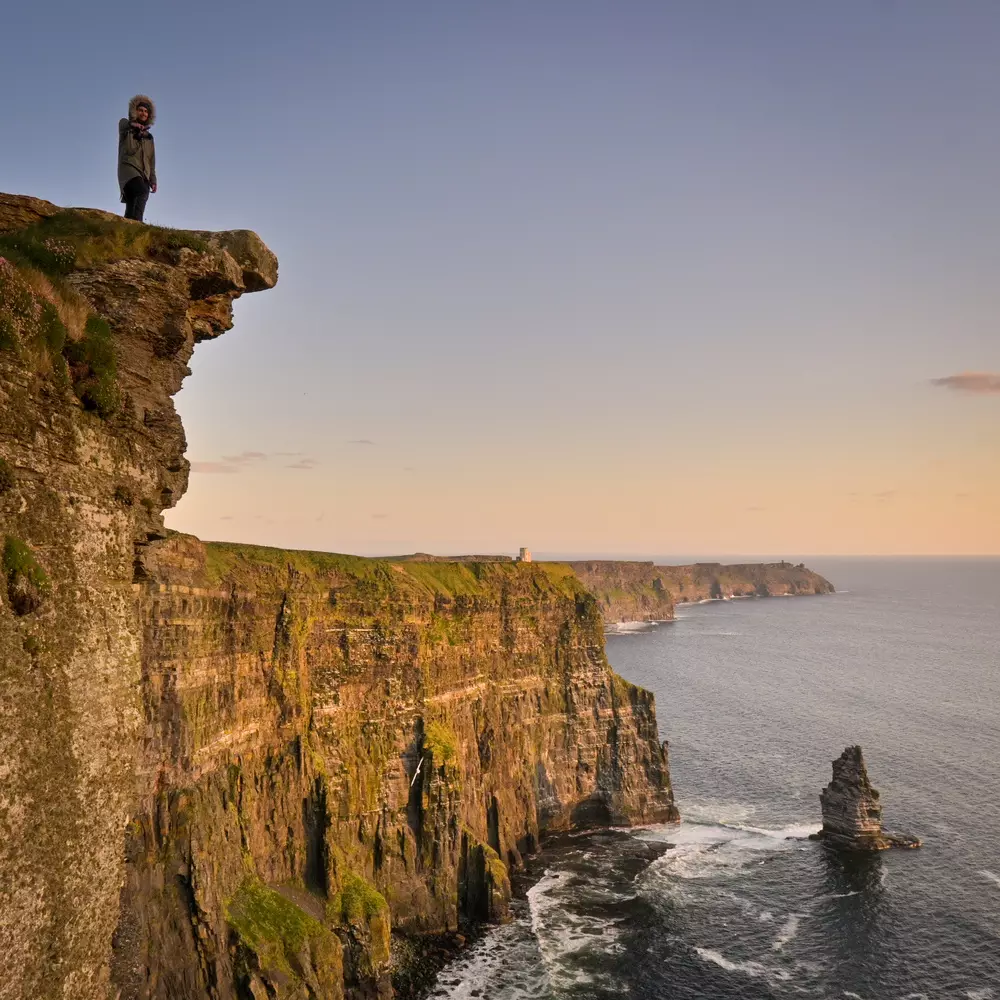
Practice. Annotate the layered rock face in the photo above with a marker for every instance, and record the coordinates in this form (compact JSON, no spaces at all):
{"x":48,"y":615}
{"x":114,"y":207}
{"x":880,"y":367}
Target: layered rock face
{"x":643,"y":591}
{"x":627,"y":591}
{"x":714,"y":581}
{"x":852,"y":813}
{"x":228,"y":771}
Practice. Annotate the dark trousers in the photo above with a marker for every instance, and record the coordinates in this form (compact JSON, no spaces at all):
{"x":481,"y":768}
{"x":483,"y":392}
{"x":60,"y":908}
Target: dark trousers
{"x":136,"y":193}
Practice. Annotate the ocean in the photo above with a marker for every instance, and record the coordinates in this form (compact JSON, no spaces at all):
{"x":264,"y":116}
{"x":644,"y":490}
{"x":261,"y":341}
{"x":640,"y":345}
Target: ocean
{"x":757,"y":697}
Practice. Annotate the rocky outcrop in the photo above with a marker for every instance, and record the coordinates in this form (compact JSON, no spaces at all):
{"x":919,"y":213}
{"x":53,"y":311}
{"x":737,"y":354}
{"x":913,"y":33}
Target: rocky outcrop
{"x":627,"y":591}
{"x":229,"y":771}
{"x":852,"y":813}
{"x":716,"y":581}
{"x":644,"y":592}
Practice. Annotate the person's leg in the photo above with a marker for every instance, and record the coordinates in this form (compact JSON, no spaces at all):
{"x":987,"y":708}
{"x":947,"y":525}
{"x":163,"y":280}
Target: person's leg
{"x":136,"y":194}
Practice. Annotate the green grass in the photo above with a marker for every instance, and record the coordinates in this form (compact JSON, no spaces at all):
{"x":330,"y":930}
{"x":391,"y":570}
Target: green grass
{"x":562,"y":579}
{"x":73,"y":239}
{"x":94,"y":368}
{"x":228,"y":560}
{"x":442,"y":744}
{"x":274,"y":927}
{"x":357,"y":900}
{"x":32,"y":329}
{"x":447,"y":579}
{"x":19,"y":561}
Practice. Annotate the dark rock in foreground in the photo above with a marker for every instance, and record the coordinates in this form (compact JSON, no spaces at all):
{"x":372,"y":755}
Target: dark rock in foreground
{"x":852,"y":813}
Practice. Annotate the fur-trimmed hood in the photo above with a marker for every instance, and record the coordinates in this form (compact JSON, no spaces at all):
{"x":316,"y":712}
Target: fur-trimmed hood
{"x":134,"y":104}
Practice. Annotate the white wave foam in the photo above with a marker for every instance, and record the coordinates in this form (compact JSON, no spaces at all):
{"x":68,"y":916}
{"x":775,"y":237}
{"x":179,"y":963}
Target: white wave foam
{"x":561,"y":934}
{"x":503,"y":965}
{"x":984,"y":994}
{"x":629,"y":628}
{"x":755,"y":970}
{"x":992,"y":876}
{"x":703,"y":850}
{"x":787,"y":932}
{"x":844,"y":895}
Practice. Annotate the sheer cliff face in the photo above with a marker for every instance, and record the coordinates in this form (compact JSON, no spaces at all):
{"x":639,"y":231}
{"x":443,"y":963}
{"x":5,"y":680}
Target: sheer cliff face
{"x":226,"y":771}
{"x":642,"y":591}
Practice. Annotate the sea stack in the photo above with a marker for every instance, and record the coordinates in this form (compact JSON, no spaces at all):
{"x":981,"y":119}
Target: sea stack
{"x":852,"y":813}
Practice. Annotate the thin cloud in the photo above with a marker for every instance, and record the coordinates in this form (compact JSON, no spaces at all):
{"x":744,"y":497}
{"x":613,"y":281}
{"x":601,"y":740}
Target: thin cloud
{"x":982,"y":383}
{"x":303,"y":463}
{"x":213,"y":467}
{"x":244,"y":456}
{"x":363,"y":441}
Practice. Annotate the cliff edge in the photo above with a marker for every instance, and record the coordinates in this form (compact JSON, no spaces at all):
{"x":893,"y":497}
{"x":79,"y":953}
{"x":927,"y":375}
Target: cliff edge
{"x":645,"y":592}
{"x":231,"y":771}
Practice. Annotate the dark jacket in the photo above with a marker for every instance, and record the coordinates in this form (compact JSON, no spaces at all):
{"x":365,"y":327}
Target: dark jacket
{"x":136,"y":151}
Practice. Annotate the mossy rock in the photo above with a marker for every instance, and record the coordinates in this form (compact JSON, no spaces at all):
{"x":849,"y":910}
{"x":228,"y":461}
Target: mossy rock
{"x":361,"y":908}
{"x":94,"y":368}
{"x":27,"y":581}
{"x":441,"y":743}
{"x":288,"y":943}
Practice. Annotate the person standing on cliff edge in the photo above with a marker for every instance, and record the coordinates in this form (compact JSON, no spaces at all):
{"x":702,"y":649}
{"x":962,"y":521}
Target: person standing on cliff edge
{"x":137,"y":156}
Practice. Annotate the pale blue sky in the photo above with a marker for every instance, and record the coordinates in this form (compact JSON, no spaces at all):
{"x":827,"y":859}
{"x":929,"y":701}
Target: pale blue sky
{"x":607,"y":277}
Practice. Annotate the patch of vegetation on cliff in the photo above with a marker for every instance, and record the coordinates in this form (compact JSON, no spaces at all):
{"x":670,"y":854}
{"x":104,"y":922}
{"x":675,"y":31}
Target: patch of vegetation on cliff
{"x":495,"y":867}
{"x":50,"y":329}
{"x":357,"y":900}
{"x":441,"y":743}
{"x":362,"y":908}
{"x":561,"y":578}
{"x":27,"y":581}
{"x":94,"y":368}
{"x":447,"y":579}
{"x":36,"y":316}
{"x":75,"y":238}
{"x":271,"y":925}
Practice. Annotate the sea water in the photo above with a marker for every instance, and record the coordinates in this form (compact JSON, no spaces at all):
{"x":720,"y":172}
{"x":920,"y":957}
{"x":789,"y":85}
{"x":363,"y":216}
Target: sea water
{"x":757,"y":697}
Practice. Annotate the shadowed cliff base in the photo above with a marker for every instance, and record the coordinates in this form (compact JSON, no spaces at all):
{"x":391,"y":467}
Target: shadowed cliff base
{"x":234,"y":771}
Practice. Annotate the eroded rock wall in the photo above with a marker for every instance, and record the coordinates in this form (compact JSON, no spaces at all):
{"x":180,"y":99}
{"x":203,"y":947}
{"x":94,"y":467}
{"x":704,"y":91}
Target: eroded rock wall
{"x":228,"y":771}
{"x":317,"y":719}
{"x":79,"y":492}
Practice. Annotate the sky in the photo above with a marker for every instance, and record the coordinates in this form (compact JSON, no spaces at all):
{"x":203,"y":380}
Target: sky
{"x":617,"y":277}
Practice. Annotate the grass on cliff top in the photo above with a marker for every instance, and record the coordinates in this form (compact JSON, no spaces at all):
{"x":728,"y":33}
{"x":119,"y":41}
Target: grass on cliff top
{"x":237,"y":563}
{"x":78,"y":238}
